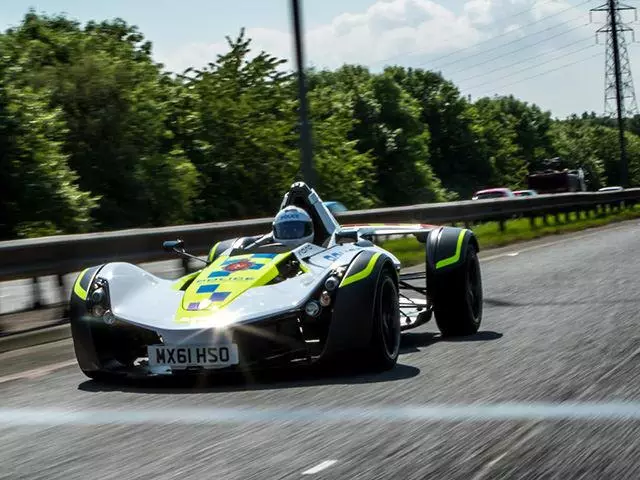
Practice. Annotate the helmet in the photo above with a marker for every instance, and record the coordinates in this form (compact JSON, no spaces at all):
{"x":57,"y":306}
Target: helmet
{"x":292,"y":227}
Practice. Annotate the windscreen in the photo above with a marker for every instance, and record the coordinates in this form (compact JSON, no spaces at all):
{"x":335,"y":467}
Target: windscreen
{"x":491,"y":195}
{"x":293,"y":229}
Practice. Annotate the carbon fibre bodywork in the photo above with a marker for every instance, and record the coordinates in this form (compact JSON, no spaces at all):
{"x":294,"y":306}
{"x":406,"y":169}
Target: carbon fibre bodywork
{"x":270,"y":304}
{"x":267,"y":322}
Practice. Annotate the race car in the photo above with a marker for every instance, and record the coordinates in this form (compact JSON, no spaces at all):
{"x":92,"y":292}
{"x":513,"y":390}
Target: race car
{"x":260,"y":303}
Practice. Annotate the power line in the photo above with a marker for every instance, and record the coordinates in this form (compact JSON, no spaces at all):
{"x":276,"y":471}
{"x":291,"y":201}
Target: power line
{"x":491,"y":38}
{"x":446,"y":55}
{"x":511,"y":31}
{"x":511,"y":42}
{"x":502,"y":55}
{"x":544,"y":73}
{"x":513,"y":64}
{"x":528,"y":68}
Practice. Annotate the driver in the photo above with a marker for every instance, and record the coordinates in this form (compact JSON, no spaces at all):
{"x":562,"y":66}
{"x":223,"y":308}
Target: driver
{"x":292,"y":227}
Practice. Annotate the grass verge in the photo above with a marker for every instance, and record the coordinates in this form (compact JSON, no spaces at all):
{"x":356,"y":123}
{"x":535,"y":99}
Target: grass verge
{"x":411,"y":252}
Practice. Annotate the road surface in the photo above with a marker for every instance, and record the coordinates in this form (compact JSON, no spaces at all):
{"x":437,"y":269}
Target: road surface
{"x":548,"y":389}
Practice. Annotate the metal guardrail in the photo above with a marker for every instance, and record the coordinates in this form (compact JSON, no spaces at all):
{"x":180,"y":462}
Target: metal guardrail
{"x":60,"y":255}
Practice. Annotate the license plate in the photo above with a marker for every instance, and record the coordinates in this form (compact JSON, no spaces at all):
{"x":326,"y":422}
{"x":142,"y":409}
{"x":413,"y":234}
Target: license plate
{"x":193,"y":356}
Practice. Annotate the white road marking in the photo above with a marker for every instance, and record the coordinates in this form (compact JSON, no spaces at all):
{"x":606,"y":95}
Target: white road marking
{"x":569,"y":237}
{"x":37,"y":372}
{"x":605,"y":411}
{"x":318,"y":468}
{"x":514,"y":254}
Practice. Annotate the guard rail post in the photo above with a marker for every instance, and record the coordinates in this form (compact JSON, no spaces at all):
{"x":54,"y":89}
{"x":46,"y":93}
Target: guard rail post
{"x":35,"y":289}
{"x":62,"y":291}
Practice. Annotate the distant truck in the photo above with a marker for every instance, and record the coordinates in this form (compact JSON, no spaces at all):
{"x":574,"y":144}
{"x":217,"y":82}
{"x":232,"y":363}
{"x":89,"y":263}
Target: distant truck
{"x":557,"y":181}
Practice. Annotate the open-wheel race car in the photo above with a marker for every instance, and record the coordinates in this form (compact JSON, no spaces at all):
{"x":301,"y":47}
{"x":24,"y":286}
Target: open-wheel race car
{"x":260,"y":301}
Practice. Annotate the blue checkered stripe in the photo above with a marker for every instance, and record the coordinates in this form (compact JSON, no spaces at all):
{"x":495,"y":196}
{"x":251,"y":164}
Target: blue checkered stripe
{"x":216,"y":295}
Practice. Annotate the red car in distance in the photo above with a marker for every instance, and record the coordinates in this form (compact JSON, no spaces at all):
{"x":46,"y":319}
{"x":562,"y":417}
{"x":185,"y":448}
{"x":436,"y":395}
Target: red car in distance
{"x":525,"y":193}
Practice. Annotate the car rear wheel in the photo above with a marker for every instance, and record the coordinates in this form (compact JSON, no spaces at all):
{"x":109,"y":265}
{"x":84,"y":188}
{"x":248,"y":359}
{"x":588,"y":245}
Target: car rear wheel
{"x":457,"y":297}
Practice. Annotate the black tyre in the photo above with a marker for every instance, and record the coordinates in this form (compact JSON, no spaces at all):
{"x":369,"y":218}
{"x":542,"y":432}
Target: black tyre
{"x":457,"y":297}
{"x":385,"y":338}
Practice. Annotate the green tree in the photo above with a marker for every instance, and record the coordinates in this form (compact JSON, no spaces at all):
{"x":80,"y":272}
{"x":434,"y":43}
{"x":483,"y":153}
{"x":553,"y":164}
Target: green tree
{"x":38,"y":191}
{"x":450,"y":122}
{"x":531,"y":127}
{"x":497,"y":144}
{"x":114,"y":101}
{"x":344,"y":174}
{"x":389,"y":128}
{"x":235,"y":124}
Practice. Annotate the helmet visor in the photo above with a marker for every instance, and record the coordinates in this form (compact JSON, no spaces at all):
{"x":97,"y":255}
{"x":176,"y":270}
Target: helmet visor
{"x":292,"y":230}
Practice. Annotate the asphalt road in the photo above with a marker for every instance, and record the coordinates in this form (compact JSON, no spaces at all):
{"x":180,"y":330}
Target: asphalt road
{"x":548,"y":389}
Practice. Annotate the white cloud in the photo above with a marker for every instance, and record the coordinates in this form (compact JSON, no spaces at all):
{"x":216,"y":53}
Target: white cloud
{"x":480,"y":11}
{"x":544,"y":8}
{"x":386,"y":29}
{"x":435,"y":34}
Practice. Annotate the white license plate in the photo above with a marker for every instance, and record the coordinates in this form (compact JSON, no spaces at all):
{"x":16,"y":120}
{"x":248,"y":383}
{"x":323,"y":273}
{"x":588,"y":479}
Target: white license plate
{"x":193,"y":356}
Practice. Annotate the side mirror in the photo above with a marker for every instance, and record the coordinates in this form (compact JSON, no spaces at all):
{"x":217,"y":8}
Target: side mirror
{"x":173,"y":245}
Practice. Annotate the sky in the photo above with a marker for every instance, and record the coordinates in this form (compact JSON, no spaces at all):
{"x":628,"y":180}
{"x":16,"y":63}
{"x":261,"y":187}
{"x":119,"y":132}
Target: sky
{"x":541,"y":51}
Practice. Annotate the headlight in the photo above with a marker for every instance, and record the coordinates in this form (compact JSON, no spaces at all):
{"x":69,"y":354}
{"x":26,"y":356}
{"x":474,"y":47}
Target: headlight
{"x":109,"y":318}
{"x":312,"y":308}
{"x":98,"y":300}
{"x":331,"y":283}
{"x":325,"y":299}
{"x":98,"y":295}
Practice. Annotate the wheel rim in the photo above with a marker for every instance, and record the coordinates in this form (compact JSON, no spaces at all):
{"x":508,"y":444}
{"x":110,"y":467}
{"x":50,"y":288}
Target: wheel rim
{"x":474,"y":288}
{"x":389,"y":316}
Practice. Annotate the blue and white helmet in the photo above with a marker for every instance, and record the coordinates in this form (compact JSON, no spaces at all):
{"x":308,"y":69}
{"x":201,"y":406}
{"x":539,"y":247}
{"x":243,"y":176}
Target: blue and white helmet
{"x":292,"y":227}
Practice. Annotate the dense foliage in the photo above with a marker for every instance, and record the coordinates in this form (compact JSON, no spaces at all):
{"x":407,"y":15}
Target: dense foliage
{"x":95,"y":135}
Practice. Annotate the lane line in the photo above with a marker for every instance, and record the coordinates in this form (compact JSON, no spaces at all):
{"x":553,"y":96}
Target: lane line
{"x":522,"y":247}
{"x":607,"y":411}
{"x":568,"y":238}
{"x":318,"y":468}
{"x":37,"y":372}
